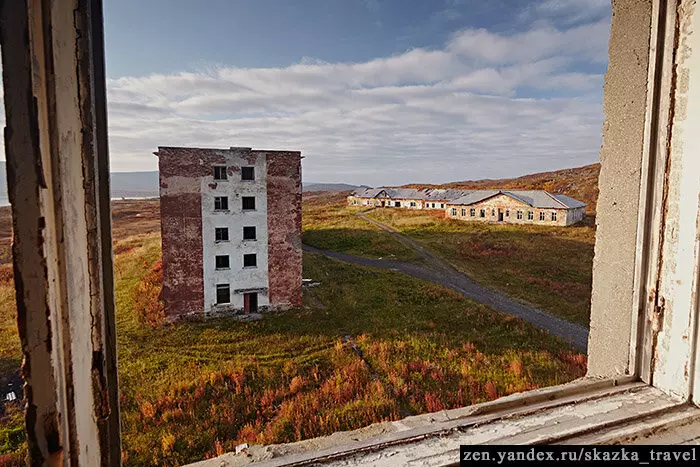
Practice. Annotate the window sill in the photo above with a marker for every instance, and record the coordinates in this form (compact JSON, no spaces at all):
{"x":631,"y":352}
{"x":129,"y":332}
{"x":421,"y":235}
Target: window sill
{"x":222,"y":269}
{"x":223,"y":211}
{"x":588,"y":411}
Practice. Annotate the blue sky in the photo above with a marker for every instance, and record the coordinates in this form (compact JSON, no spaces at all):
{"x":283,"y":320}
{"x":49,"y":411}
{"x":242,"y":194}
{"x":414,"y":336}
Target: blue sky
{"x":371,"y":91}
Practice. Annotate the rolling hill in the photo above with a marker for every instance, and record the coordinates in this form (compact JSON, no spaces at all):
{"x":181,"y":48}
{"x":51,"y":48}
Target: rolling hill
{"x":580,"y":183}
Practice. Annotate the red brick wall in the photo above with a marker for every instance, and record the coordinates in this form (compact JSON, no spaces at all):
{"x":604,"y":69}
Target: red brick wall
{"x":284,"y":228}
{"x":181,"y":229}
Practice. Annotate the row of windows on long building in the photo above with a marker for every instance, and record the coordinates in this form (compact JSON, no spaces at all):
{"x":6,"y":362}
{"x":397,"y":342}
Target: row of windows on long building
{"x":518,"y":214}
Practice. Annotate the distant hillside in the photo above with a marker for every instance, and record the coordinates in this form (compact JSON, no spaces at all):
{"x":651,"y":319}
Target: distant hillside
{"x":328,"y":187}
{"x":580,"y":183}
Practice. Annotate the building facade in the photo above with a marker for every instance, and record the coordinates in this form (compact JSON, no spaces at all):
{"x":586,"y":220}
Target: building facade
{"x":231,"y":230}
{"x":505,"y":206}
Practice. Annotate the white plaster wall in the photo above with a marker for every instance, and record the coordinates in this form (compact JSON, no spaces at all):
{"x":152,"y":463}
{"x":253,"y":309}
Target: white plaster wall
{"x":406,"y":203}
{"x":235,"y":219}
{"x":505,"y":203}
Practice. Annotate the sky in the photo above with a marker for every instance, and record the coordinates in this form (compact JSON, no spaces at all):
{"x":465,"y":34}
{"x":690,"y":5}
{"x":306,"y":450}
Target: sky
{"x":371,"y":91}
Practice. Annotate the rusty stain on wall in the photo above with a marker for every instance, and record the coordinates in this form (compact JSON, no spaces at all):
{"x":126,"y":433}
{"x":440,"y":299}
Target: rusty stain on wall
{"x":284,"y":228}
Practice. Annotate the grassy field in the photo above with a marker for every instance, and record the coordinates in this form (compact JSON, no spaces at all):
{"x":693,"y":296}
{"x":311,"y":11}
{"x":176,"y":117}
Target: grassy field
{"x":368,"y":346}
{"x":549,"y":267}
{"x":198,"y":389}
{"x":329,"y":225}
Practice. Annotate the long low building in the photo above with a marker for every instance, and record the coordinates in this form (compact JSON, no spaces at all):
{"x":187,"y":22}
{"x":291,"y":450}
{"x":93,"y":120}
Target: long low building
{"x":509,"y":206}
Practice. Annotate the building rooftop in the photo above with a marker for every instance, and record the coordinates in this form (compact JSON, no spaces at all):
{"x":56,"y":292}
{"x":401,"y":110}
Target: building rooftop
{"x":536,"y":198}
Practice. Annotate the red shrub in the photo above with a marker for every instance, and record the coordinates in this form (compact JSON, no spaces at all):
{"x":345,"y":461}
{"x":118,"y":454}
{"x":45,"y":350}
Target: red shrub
{"x":148,"y":297}
{"x":433,"y":402}
{"x":491,"y":390}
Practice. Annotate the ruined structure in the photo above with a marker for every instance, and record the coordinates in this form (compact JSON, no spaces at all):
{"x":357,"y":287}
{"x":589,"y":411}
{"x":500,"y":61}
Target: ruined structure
{"x":511,"y":206}
{"x":231,"y":229}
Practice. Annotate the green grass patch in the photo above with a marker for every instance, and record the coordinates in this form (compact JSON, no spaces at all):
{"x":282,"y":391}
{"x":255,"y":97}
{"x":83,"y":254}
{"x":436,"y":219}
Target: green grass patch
{"x":12,"y":437}
{"x":550,"y":267}
{"x":10,"y":354}
{"x":330,"y":225}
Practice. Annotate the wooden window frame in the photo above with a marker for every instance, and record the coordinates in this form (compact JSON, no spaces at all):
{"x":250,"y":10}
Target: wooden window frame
{"x":57,"y":159}
{"x":244,"y":171}
{"x":243,"y":199}
{"x":221,"y":203}
{"x":228,"y":289}
{"x":255,"y":233}
{"x":255,"y":260}
{"x":218,"y":169}
{"x":222,"y":229}
{"x":221,"y":268}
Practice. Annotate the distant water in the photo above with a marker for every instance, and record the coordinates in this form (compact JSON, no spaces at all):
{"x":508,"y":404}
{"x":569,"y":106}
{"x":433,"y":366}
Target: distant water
{"x":5,"y":201}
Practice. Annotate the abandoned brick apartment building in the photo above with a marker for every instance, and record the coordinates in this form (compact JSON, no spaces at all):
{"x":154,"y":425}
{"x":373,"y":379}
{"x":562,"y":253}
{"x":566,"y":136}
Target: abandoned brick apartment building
{"x":510,"y":206}
{"x":231,"y":229}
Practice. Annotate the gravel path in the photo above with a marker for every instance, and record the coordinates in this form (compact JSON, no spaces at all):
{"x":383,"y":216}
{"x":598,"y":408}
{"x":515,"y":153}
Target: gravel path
{"x":437,"y":270}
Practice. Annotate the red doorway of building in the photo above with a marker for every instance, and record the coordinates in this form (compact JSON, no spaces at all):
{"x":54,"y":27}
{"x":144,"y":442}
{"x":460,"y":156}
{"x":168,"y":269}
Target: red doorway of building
{"x":250,"y":303}
{"x":500,"y":216}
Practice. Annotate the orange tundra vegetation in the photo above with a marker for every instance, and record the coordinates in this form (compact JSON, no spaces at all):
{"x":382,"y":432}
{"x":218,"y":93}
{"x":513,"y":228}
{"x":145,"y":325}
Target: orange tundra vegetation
{"x":367,"y":346}
{"x":148,"y":296}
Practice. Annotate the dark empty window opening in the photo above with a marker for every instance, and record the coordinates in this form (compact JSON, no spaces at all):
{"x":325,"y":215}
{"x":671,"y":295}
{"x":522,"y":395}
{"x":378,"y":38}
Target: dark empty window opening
{"x":249,"y":233}
{"x":250,"y":302}
{"x":249,"y":203}
{"x":464,"y":212}
{"x":493,"y":212}
{"x":454,"y":211}
{"x":554,"y":215}
{"x":397,"y":204}
{"x":250,"y":260}
{"x":221,"y":203}
{"x":221,"y":234}
{"x":507,"y":212}
{"x":223,"y":294}
{"x":472,"y":212}
{"x":220,"y":172}
{"x":530,"y":215}
{"x":247,"y":173}
{"x":222,"y":262}
{"x":482,"y":213}
{"x":542,"y":214}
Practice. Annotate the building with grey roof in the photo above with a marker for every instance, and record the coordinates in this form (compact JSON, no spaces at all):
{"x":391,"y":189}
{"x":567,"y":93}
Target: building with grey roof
{"x":508,"y":206}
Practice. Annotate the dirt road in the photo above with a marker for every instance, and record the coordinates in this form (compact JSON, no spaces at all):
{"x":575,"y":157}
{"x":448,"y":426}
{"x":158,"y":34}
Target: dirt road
{"x":435,"y":269}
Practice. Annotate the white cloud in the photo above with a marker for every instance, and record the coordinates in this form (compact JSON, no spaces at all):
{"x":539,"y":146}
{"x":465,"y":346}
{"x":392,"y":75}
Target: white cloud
{"x":567,"y":11}
{"x":586,"y":42}
{"x":482,"y":106}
